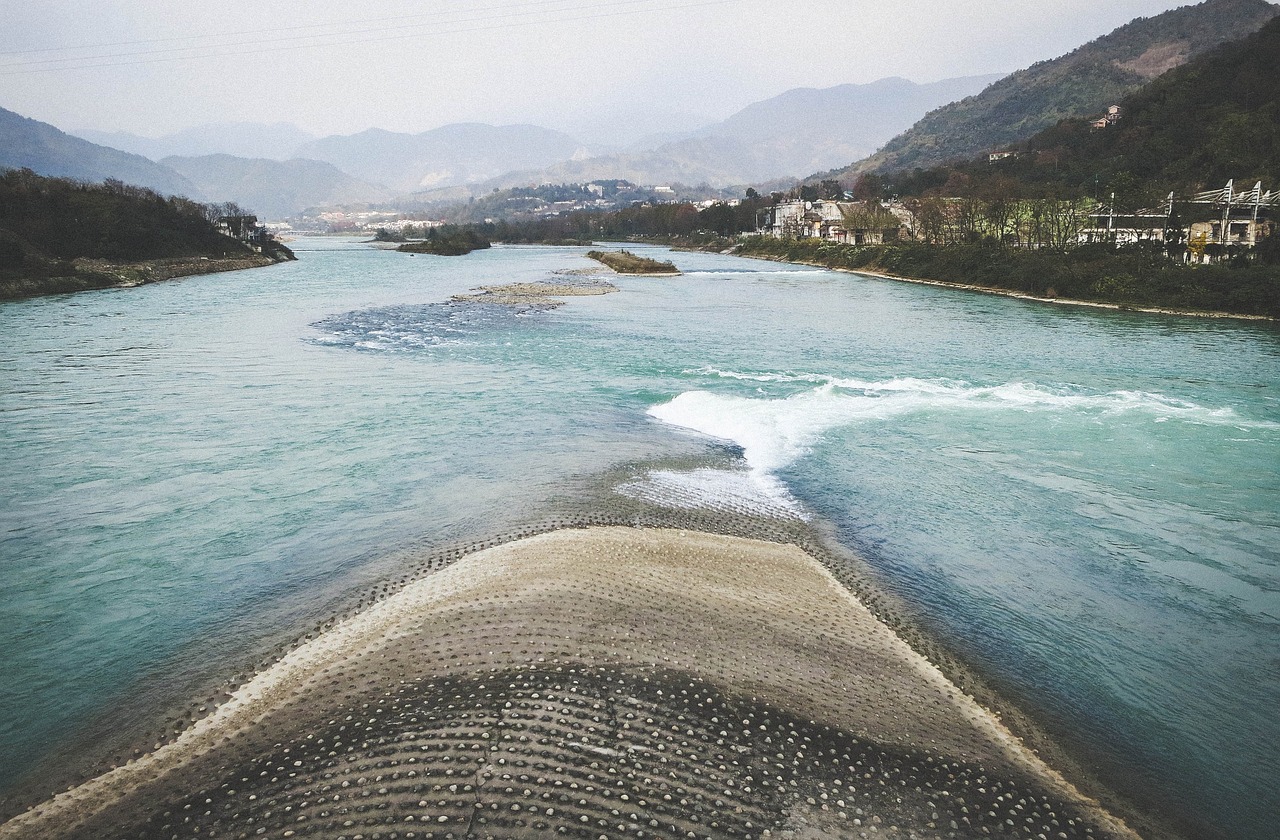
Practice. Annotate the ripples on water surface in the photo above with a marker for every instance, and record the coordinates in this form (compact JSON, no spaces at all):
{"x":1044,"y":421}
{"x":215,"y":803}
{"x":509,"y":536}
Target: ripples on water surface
{"x":1084,"y":502}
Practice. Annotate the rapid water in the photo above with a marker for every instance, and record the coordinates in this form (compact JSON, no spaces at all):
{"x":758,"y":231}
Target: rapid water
{"x":1083,"y":503}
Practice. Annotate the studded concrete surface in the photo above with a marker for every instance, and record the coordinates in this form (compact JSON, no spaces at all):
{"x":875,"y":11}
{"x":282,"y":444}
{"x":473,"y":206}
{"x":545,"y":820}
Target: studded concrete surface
{"x":600,"y":683}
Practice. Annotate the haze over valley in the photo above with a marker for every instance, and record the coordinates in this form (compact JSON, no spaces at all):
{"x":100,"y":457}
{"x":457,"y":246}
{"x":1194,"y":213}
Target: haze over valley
{"x":831,"y":122}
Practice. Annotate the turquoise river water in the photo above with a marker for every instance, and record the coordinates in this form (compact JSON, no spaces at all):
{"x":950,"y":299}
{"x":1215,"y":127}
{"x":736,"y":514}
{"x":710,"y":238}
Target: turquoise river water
{"x":1084,"y":503}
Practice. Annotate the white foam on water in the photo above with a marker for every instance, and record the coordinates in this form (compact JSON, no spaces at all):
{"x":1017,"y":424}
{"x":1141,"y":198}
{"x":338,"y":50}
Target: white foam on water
{"x":755,"y":494}
{"x":774,"y":432}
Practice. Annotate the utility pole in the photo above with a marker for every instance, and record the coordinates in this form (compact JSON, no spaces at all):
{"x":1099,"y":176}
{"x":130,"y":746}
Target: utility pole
{"x":1257,"y":203}
{"x":1229,"y":195}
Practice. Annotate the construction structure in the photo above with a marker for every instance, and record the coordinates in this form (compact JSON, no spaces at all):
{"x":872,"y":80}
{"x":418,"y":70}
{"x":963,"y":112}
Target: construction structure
{"x":1243,"y":219}
{"x":1212,"y":224}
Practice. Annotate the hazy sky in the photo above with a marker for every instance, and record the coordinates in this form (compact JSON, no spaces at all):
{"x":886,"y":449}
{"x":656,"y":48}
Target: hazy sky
{"x":157,"y":66}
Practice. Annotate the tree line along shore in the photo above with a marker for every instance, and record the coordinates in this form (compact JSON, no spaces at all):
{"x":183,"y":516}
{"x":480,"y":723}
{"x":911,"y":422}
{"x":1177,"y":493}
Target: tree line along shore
{"x":60,"y":235}
{"x":125,"y":236}
{"x":1142,"y":275}
{"x":1134,"y":278}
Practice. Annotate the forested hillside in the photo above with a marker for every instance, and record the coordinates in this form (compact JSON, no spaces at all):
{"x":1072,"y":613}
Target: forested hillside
{"x":31,"y":144}
{"x":61,"y":235}
{"x":1078,"y":84}
{"x":1213,"y":119}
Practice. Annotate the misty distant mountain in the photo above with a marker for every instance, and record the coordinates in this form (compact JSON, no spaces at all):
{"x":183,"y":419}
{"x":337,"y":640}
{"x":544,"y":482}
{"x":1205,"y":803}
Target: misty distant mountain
{"x":634,"y":127}
{"x":807,"y":129}
{"x":654,"y":167}
{"x":48,"y":151}
{"x":275,"y":189}
{"x":1081,"y":83}
{"x":789,"y":135}
{"x":277,"y":141}
{"x":453,"y":154}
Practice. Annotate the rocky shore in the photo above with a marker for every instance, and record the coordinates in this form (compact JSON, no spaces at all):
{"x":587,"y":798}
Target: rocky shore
{"x":543,"y":295}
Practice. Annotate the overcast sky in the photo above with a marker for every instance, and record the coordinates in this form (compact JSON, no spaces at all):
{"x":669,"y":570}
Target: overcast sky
{"x":157,"y":66}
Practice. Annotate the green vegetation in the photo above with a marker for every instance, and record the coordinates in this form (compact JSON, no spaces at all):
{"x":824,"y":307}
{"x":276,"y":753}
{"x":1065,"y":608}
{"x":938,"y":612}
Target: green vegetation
{"x":625,"y":262}
{"x":447,"y":241}
{"x":682,"y":223}
{"x":1213,"y":119}
{"x":1136,"y":277}
{"x":60,"y":235}
{"x":1014,"y":225}
{"x":524,"y":205}
{"x":1079,"y":84}
{"x":1197,"y":126}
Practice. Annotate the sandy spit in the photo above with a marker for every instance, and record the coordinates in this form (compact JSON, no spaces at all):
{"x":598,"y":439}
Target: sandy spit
{"x":759,"y":621}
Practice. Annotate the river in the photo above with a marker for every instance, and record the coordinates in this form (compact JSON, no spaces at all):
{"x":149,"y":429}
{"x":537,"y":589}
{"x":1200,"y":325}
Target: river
{"x":1084,"y":504}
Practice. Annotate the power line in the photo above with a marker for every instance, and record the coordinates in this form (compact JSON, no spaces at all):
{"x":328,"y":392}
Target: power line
{"x":276,"y":41}
{"x":26,"y":68}
{"x":217,"y":35}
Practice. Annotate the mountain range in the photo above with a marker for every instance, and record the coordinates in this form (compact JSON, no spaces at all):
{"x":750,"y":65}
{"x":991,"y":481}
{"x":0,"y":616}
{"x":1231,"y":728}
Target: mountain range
{"x":891,"y":124}
{"x":275,"y":189}
{"x":30,"y":144}
{"x":787,"y":135}
{"x":275,"y":141}
{"x":453,"y":154}
{"x":278,"y":170}
{"x":795,"y":132}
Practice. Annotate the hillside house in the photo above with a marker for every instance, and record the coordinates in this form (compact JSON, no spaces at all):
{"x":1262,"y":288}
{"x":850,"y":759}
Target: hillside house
{"x":1111,"y":117}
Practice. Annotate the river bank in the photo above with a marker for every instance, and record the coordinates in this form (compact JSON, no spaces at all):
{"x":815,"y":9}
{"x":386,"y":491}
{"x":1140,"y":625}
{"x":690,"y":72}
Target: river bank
{"x":91,"y":274}
{"x":1097,"y":276}
{"x":992,"y":290}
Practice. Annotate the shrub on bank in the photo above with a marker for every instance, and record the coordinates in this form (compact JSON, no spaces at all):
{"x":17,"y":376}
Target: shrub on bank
{"x":625,"y":262}
{"x":448,"y":241}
